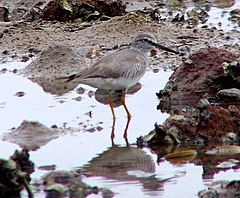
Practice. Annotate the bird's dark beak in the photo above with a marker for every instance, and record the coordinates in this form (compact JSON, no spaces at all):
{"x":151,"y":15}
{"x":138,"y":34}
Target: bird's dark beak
{"x":166,"y":48}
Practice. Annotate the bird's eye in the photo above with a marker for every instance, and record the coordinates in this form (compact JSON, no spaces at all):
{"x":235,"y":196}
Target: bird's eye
{"x":145,"y":40}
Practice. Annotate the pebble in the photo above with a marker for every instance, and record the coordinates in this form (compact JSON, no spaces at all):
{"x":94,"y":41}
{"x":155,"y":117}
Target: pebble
{"x":80,"y":90}
{"x":229,"y":94}
{"x":5,"y":52}
{"x":25,"y":58}
{"x":20,"y":94}
{"x":6,"y":31}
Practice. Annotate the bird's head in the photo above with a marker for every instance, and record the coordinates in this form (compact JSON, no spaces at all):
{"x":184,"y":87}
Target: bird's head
{"x":145,"y":42}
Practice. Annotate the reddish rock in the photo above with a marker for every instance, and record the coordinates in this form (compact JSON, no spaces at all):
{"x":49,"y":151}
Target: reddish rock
{"x":214,"y":124}
{"x":110,"y":7}
{"x":219,"y":125}
{"x":105,"y":7}
{"x":181,"y":127}
{"x":58,"y":10}
{"x":54,"y":11}
{"x":204,"y":72}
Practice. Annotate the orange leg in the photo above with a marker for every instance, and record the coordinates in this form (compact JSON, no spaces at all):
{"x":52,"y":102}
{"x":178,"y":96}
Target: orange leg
{"x":125,"y":136}
{"x":125,"y":106}
{"x":128,"y":115}
{"x":110,"y":102}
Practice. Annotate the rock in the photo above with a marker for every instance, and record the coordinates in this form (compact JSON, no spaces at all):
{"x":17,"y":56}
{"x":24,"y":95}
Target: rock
{"x":108,"y":7}
{"x":224,"y":150}
{"x":5,"y":52}
{"x":208,"y":193}
{"x":60,"y":183}
{"x":223,"y":4}
{"x":18,"y":13}
{"x":106,"y":193}
{"x":221,"y":189}
{"x":63,"y":10}
{"x":191,"y":90}
{"x":25,"y":58}
{"x":15,"y":174}
{"x":55,"y":10}
{"x":235,"y":16}
{"x":203,"y":104}
{"x":22,"y":158}
{"x":196,"y":15}
{"x":60,"y":177}
{"x":31,"y":135}
{"x":210,"y":71}
{"x":56,"y":190}
{"x":211,"y":124}
{"x":235,"y":12}
{"x":217,"y":124}
{"x":20,"y":94}
{"x":232,"y":94}
{"x":53,"y":63}
{"x":4,"y":14}
{"x":6,"y":31}
{"x":231,"y":163}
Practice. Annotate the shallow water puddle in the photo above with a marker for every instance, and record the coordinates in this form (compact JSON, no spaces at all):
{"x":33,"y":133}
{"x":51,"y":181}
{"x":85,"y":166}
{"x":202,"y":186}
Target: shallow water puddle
{"x":86,"y":148}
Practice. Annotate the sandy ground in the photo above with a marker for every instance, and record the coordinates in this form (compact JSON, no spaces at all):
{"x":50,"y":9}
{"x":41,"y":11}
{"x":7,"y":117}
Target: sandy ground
{"x":19,"y":38}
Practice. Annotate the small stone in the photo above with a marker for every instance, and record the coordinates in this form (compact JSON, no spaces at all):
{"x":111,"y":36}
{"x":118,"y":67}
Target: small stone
{"x":91,"y":94}
{"x":235,"y":12}
{"x":4,"y":12}
{"x":106,"y":193}
{"x":20,"y":94}
{"x":91,"y":130}
{"x":224,"y":150}
{"x":230,"y":137}
{"x":54,"y":126}
{"x":188,"y":62}
{"x":156,"y":70}
{"x":228,"y":164}
{"x":232,"y":94}
{"x":104,"y":18}
{"x":61,"y":101}
{"x":5,"y":52}
{"x":25,"y":58}
{"x":99,"y":128}
{"x":208,"y":193}
{"x":203,"y":103}
{"x":56,"y":190}
{"x":47,"y":167}
{"x":79,"y":98}
{"x":5,"y":30}
{"x":34,"y":50}
{"x":30,"y":55}
{"x":4,"y":70}
{"x":80,"y":90}
{"x":233,"y":109}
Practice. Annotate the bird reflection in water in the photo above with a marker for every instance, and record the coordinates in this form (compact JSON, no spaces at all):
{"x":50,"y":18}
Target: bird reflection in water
{"x":124,"y":164}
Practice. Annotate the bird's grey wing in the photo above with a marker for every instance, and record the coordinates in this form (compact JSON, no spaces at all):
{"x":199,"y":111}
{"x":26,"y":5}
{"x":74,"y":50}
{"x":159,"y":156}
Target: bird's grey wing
{"x":117,"y":64}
